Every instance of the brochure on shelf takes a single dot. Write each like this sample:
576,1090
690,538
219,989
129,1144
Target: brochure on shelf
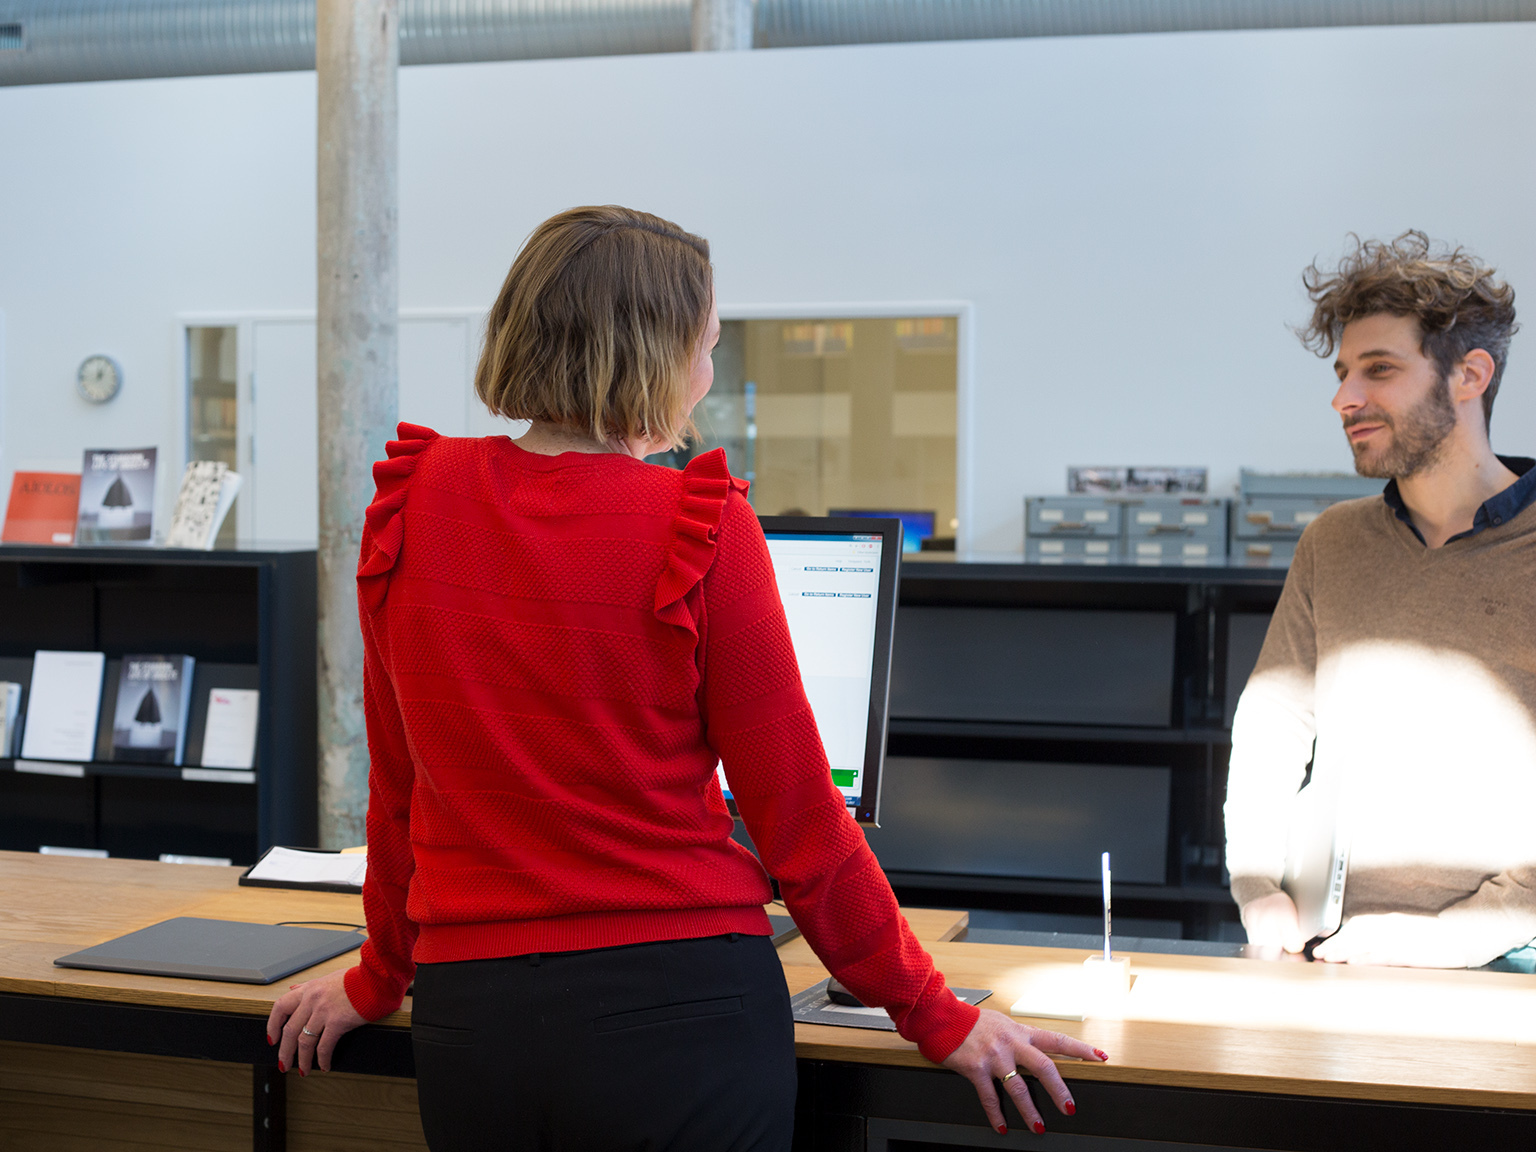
63,705
117,496
153,694
42,508
207,493
10,716
229,736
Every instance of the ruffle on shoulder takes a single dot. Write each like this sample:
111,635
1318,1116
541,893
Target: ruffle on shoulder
384,527
707,484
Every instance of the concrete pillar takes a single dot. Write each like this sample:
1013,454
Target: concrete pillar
357,54
722,25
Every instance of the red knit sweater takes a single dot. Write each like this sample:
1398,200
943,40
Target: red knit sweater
558,650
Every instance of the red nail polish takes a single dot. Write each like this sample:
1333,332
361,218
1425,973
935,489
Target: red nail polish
1101,1054
1037,1128
1070,1109
280,1067
269,1041
1002,1129
302,1072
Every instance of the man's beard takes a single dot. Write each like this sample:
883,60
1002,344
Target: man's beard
1418,437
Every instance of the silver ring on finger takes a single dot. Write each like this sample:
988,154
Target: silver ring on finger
1010,1075
307,1032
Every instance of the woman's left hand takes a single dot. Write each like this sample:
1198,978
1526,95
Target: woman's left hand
308,1019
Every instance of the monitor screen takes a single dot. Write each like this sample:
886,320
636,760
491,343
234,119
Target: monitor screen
837,579
916,526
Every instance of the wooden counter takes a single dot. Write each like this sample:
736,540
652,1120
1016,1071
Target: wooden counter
1210,1049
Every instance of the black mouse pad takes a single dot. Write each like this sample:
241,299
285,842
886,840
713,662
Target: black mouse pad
215,950
813,1006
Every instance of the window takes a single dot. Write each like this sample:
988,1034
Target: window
838,415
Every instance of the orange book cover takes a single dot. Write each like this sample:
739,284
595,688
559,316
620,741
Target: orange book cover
42,508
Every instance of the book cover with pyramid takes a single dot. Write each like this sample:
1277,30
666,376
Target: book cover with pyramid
154,695
117,496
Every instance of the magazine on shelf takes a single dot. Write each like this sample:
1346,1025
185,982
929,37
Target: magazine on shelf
154,694
63,705
207,493
42,508
229,736
10,717
117,496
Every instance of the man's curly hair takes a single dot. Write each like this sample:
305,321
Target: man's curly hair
1456,300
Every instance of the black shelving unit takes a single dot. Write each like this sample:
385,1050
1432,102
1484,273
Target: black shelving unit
248,615
1020,672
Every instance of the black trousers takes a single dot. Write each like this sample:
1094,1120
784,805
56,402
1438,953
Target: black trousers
681,1044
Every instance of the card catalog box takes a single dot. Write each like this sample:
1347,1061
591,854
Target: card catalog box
1069,550
1071,516
1275,517
1013,818
1033,665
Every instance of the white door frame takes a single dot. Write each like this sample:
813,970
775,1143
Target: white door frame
243,320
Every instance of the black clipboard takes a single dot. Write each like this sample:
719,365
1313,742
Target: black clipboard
306,885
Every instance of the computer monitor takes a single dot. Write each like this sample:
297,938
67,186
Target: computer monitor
917,526
837,579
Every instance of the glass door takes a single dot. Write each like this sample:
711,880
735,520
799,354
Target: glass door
213,407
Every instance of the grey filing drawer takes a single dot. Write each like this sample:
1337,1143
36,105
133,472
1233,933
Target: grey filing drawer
1033,665
1013,818
1276,517
1272,553
1175,530
1069,550
1097,516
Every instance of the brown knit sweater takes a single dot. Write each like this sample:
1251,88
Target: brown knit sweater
1414,670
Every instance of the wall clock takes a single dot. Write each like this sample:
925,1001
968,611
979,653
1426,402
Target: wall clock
99,378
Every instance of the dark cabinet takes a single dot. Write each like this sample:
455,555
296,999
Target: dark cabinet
248,617
1041,714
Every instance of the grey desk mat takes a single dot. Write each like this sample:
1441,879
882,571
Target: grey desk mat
814,1006
784,929
199,949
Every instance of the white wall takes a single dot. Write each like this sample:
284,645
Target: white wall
1128,216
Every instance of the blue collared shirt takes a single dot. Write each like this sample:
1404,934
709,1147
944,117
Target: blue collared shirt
1506,505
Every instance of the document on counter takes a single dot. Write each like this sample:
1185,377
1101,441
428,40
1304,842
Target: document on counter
308,868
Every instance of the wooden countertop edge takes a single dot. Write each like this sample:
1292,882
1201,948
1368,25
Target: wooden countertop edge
1218,1082
898,1054
181,1001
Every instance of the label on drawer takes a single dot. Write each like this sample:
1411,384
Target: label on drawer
1096,516
1197,517
1051,515
1304,517
1097,548
1149,549
1149,517
1197,549
1052,547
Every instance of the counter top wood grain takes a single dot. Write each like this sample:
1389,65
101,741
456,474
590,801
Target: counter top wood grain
1460,1038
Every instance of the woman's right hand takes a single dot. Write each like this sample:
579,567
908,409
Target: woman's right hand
998,1045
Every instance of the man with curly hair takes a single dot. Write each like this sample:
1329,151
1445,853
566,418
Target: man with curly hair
1401,659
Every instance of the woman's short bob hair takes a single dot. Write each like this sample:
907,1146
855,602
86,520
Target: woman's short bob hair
597,326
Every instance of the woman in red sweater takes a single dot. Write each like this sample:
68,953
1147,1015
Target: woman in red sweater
561,642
